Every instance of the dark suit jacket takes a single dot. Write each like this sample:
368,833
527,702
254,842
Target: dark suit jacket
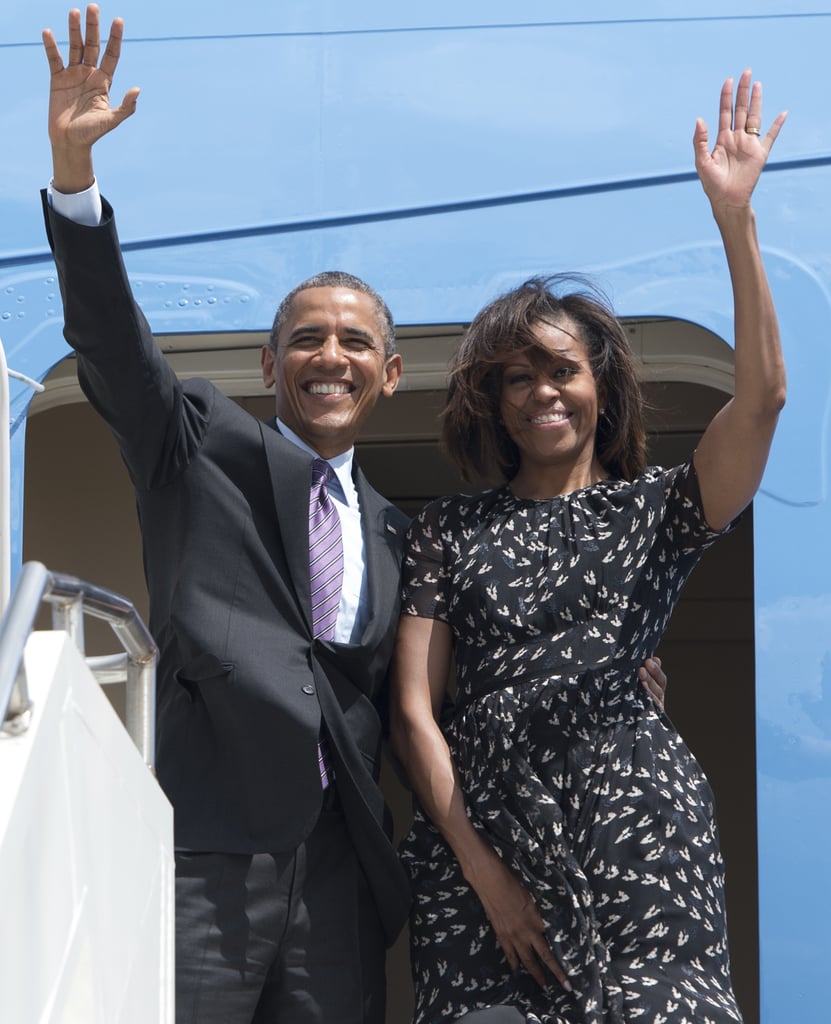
223,506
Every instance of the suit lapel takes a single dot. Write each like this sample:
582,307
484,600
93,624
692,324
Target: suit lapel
290,472
383,539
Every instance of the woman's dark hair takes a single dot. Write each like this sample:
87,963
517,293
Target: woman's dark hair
473,432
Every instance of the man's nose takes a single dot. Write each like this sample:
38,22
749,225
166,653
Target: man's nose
331,351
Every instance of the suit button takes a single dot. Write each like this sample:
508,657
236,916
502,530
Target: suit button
308,688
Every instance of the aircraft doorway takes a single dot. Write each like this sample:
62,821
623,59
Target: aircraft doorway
708,651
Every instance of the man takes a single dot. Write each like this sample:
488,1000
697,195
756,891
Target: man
268,737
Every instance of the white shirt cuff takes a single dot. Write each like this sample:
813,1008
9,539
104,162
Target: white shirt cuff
80,207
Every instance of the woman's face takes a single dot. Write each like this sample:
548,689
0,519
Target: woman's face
550,405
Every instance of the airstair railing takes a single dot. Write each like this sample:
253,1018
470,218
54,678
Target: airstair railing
70,599
5,484
5,473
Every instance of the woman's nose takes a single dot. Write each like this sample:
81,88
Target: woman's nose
546,388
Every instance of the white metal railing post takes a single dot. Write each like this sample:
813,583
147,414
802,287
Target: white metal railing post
5,485
68,615
6,475
15,627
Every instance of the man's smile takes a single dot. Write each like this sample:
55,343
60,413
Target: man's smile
335,387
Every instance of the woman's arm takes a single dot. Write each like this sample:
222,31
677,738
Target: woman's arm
420,671
731,457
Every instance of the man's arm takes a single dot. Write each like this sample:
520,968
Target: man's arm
120,367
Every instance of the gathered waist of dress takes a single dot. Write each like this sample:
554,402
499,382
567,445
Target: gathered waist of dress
566,658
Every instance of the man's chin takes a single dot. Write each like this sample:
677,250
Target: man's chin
337,431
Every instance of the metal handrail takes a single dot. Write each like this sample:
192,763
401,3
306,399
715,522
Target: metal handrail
5,473
70,599
5,479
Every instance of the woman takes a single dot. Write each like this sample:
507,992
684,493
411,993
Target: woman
564,857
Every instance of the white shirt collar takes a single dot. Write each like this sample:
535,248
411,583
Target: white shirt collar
341,464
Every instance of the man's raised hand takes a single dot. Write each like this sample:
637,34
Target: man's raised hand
79,97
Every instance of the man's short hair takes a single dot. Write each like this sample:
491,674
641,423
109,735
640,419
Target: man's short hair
338,279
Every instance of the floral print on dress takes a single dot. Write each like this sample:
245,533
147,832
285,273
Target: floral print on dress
569,770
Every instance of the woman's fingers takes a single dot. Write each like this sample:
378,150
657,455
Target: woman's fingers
546,955
517,923
527,949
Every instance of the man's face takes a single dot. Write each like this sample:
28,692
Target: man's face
329,367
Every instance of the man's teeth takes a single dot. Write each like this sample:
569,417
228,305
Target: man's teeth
328,389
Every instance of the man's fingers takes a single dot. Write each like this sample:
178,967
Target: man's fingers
76,40
92,37
653,666
653,680
85,48
128,104
53,54
112,52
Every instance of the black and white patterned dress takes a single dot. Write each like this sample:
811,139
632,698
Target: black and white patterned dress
568,768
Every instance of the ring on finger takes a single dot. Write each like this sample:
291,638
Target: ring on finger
753,131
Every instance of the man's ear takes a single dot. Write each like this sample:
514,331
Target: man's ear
393,369
268,362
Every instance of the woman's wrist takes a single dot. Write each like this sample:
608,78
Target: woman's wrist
477,860
727,216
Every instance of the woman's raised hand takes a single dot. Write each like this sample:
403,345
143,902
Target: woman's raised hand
729,173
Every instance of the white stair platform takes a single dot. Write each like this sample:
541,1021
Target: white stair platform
86,859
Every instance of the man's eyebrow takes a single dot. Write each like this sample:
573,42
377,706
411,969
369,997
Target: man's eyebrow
319,329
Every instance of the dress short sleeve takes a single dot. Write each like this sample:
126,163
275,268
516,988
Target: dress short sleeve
425,573
685,509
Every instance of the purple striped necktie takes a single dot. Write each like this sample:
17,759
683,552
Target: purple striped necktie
325,571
